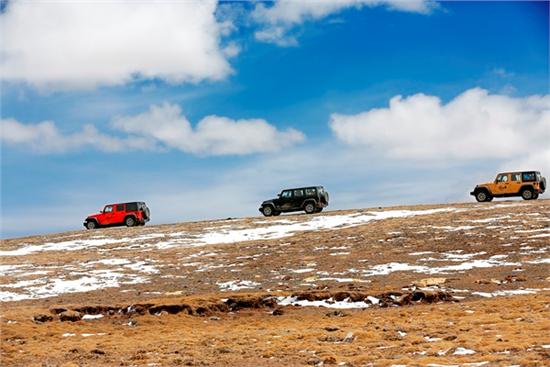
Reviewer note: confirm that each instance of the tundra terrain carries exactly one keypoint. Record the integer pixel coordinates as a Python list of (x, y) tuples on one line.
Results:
[(434, 285)]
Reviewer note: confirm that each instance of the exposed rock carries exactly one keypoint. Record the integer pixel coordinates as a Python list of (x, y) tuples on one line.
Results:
[(70, 316), (336, 313), (515, 278), (482, 281), (42, 318), (277, 312), (57, 310)]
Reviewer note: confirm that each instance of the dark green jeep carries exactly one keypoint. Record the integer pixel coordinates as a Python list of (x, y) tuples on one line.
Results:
[(309, 199)]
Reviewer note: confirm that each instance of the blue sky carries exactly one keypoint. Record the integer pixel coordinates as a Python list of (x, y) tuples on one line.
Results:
[(307, 104)]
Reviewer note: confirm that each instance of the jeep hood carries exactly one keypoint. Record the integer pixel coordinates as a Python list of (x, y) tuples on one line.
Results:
[(95, 215)]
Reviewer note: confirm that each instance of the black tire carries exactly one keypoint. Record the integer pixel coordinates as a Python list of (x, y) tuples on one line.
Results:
[(482, 196), (535, 196), (527, 194), (267, 211), (91, 224), (276, 213), (130, 221), (309, 208)]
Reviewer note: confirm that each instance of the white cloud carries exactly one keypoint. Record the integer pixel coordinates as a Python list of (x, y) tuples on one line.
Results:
[(161, 127), (475, 125), (80, 45), (45, 137), (277, 20), (213, 135)]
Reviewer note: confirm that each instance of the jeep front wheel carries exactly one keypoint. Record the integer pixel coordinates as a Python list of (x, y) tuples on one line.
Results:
[(527, 194), (482, 196), (309, 208), (267, 211), (91, 224), (130, 222)]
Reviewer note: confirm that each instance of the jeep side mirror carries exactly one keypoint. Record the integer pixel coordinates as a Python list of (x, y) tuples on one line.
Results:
[(278, 195)]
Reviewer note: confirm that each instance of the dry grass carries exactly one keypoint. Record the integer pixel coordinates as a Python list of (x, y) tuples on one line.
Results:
[(508, 330)]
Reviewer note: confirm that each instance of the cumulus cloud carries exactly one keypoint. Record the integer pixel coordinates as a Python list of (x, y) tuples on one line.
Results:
[(475, 125), (162, 127), (277, 20), (80, 45), (45, 137), (213, 135)]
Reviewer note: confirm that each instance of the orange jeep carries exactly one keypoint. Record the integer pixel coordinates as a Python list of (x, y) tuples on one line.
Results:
[(527, 184)]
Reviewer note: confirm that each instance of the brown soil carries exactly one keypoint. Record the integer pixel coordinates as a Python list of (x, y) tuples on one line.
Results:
[(488, 302)]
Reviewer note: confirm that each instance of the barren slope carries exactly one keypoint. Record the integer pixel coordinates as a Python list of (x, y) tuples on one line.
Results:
[(457, 284)]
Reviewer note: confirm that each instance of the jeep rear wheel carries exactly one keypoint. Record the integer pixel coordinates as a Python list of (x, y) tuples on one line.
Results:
[(482, 196), (91, 224), (309, 208), (130, 222), (267, 211), (527, 194)]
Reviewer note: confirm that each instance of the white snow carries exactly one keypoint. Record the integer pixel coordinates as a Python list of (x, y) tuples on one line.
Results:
[(299, 271), (92, 317), (284, 228), (79, 282), (63, 246), (328, 303), (460, 351), (540, 235), (509, 292), (235, 285), (373, 300)]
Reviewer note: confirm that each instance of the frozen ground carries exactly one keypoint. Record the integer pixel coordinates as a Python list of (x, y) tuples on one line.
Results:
[(478, 254)]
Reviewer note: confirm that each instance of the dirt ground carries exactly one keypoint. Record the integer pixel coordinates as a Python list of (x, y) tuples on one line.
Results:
[(439, 285)]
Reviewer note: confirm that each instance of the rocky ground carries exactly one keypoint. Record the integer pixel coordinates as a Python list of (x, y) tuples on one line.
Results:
[(442, 285)]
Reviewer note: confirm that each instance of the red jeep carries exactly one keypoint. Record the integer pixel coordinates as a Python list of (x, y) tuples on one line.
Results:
[(129, 214)]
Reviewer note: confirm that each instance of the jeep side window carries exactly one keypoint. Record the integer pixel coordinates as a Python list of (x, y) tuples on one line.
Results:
[(120, 208), (502, 178), (108, 209), (516, 177), (298, 193), (286, 194), (310, 192), (528, 176)]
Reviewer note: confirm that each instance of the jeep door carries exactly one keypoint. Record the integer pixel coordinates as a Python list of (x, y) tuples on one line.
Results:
[(108, 215), (119, 213), (285, 200), (515, 183), (501, 184), (297, 198)]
